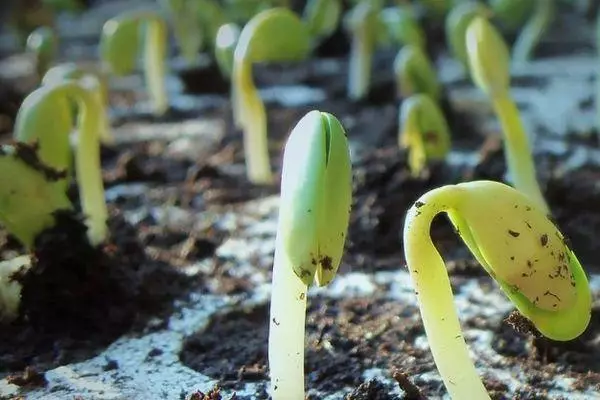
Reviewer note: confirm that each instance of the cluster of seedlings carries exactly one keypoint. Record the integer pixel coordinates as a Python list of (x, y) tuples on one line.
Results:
[(518, 245)]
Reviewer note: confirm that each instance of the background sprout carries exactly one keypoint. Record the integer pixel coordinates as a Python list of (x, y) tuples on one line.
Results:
[(512, 14), (30, 192), (316, 191), (457, 22), (489, 65), (423, 131), (362, 23), (225, 43), (119, 45), (273, 35), (186, 27), (322, 17), (45, 118), (95, 82), (402, 27), (42, 43), (518, 246), (540, 20), (415, 73)]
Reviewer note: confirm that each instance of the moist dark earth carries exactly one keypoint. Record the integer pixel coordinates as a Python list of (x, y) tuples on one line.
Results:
[(128, 285)]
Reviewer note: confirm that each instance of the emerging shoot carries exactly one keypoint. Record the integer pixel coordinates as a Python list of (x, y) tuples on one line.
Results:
[(274, 35), (45, 118), (362, 22), (423, 131), (415, 73), (322, 17), (42, 43), (316, 191), (457, 22), (489, 65), (518, 246), (119, 45), (225, 42)]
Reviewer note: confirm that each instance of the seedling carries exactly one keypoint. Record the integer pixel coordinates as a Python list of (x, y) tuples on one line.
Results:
[(362, 23), (423, 131), (322, 17), (512, 14), (119, 46), (45, 118), (457, 22), (274, 35), (402, 27), (42, 43), (415, 73), (540, 20), (489, 65), (316, 191), (225, 43), (95, 82), (518, 246)]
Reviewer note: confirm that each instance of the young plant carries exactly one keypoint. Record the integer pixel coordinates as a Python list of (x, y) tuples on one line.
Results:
[(95, 82), (456, 25), (489, 65), (402, 27), (423, 131), (512, 14), (316, 191), (415, 73), (42, 43), (530, 35), (322, 17), (225, 43), (518, 246), (274, 35), (119, 44), (45, 118), (362, 23)]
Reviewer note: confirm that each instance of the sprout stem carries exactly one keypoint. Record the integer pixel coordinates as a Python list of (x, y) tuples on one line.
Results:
[(154, 62), (434, 295), (518, 153), (286, 333), (361, 59), (250, 114), (529, 37)]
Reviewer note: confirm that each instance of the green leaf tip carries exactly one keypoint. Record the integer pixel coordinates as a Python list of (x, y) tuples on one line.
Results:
[(27, 204), (489, 59), (322, 17), (415, 73), (277, 34), (457, 22), (424, 131), (316, 197)]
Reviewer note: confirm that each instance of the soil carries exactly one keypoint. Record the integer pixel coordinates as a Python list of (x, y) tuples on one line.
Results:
[(79, 299)]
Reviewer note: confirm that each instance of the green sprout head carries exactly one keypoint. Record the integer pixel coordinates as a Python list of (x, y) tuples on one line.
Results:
[(402, 27), (43, 44), (225, 43), (119, 45), (45, 118), (423, 131), (457, 22), (274, 35), (94, 82), (322, 17), (30, 192), (490, 70), (362, 22), (415, 73), (518, 246), (316, 191)]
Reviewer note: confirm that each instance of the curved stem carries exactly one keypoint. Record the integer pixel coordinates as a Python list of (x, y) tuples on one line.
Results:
[(251, 115), (286, 329), (361, 54), (518, 153), (435, 298), (154, 63), (87, 162), (533, 31)]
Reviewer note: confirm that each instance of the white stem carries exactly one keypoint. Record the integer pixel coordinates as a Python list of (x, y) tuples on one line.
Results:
[(359, 74), (286, 333)]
